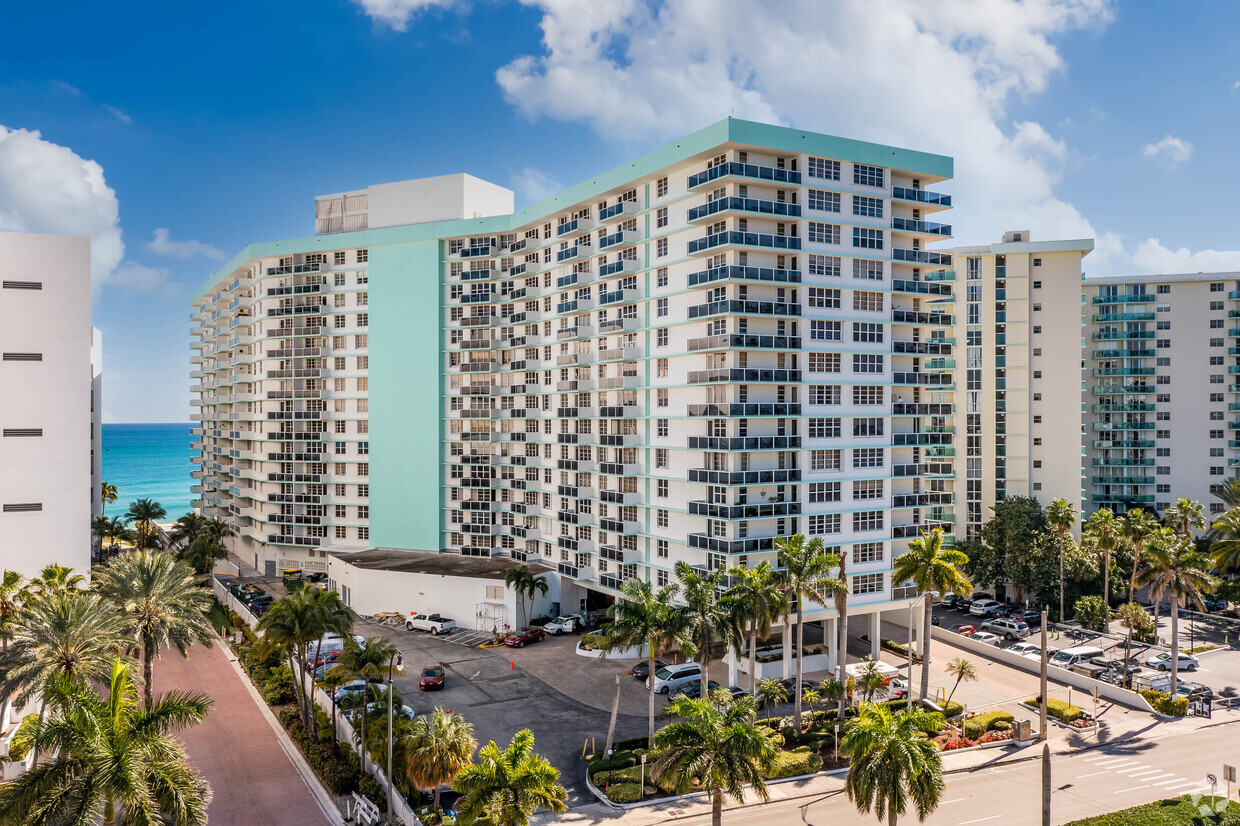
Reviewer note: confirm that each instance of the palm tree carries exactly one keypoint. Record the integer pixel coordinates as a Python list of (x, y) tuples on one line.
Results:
[(145, 514), (870, 681), (832, 691), (110, 755), (163, 603), (12, 595), (1177, 569), (200, 555), (931, 567), (186, 529), (757, 600), (717, 748), (437, 749), (1225, 547), (107, 493), (770, 692), (331, 616), (1228, 493), (525, 585), (367, 661), (1131, 616), (963, 671), (649, 618), (891, 762), (1138, 527), (115, 530), (709, 619), (1060, 517), (333, 679), (1102, 530), (54, 579), (1184, 517), (808, 566), (505, 787), (289, 625)]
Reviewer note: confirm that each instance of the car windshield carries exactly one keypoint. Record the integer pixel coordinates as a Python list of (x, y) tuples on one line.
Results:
[(1061, 657), (663, 673), (1020, 626), (432, 672)]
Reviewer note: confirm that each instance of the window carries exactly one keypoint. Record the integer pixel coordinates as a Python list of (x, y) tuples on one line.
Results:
[(363, 256), (824, 233), (867, 301), (867, 552), (661, 337), (824, 297), (1037, 328), (867, 332), (660, 247), (660, 187), (822, 460), (661, 396), (870, 239), (338, 258), (1216, 287), (867, 584), (868, 489), (867, 363), (661, 307), (821, 492), (1037, 262), (866, 428), (824, 523), (864, 175), (820, 330), (660, 457), (867, 270), (1216, 342), (661, 488), (824, 394), (661, 277), (660, 217), (824, 428), (824, 169), (824, 362), (824, 201), (867, 207), (662, 428), (1215, 324), (868, 521), (827, 265), (661, 547), (868, 457), (865, 394), (1164, 289)]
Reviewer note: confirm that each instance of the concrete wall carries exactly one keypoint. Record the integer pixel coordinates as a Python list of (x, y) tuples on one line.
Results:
[(441, 198), (1107, 691)]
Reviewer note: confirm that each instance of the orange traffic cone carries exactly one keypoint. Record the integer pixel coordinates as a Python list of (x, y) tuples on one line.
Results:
[(512, 665)]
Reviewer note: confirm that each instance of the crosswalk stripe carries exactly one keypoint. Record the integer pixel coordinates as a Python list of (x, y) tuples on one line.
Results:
[(1140, 769), (1119, 763), (1157, 774), (1177, 781)]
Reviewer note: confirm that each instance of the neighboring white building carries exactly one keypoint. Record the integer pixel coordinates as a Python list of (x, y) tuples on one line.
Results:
[(49, 403)]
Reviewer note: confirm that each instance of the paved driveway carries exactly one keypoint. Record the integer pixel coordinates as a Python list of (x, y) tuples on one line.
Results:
[(236, 748)]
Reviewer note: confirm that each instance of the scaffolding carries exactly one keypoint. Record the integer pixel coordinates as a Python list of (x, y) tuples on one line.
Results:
[(490, 617)]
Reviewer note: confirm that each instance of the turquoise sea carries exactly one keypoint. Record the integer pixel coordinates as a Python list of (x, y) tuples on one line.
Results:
[(149, 460)]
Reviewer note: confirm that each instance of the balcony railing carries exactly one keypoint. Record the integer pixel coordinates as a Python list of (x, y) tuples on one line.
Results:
[(748, 239), (926, 227), (744, 375), (739, 307), (922, 257), (755, 205), (745, 170), (739, 340), (921, 196), (774, 276)]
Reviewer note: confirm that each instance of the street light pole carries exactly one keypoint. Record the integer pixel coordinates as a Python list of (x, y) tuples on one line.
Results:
[(397, 660), (1042, 734)]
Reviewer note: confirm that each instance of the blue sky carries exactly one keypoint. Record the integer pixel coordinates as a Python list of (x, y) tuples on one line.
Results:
[(184, 131)]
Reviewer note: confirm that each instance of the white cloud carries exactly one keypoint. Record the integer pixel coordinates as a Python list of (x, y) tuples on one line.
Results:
[(534, 184), (658, 70), (139, 278), (1169, 151), (45, 187), (1151, 256), (397, 13), (1235, 87), (163, 244), (118, 114)]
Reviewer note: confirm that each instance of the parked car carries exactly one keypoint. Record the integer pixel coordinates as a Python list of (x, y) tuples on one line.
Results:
[(669, 678), (642, 670), (526, 636), (432, 678), (736, 691), (560, 625), (352, 688), (331, 643), (692, 690), (435, 623), (401, 712), (1162, 662), (1009, 629), (984, 607), (897, 688), (963, 630), (1027, 650), (986, 638), (1214, 603), (963, 603), (790, 685), (1194, 691), (327, 660), (949, 600), (1068, 657), (1031, 618)]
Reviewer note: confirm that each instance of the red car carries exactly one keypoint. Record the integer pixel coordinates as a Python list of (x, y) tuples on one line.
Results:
[(432, 678), (525, 635), (963, 630)]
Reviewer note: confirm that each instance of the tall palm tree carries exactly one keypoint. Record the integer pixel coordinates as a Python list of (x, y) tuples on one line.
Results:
[(331, 617), (145, 514), (931, 567), (1225, 547), (201, 554), (1137, 529), (963, 671), (649, 618), (505, 787), (437, 749), (525, 585), (709, 618), (891, 763), (219, 529), (1060, 517), (808, 566), (770, 692), (54, 579), (333, 679), (1102, 531), (186, 529), (107, 493), (12, 595), (1130, 616), (1175, 568), (758, 600), (289, 625), (163, 604), (1228, 493), (367, 661), (717, 748), (112, 759), (1184, 517)]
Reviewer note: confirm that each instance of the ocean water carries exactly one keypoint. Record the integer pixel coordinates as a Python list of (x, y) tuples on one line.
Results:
[(149, 460)]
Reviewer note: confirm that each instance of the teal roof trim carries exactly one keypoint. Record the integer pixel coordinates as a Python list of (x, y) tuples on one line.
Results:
[(729, 130), (1082, 245)]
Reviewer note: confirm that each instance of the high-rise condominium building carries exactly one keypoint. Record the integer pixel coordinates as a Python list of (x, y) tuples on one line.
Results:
[(50, 403), (736, 337)]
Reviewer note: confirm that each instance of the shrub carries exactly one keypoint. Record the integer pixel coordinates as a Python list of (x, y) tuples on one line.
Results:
[(816, 746), (958, 743), (982, 723), (541, 621), (591, 641), (1059, 709), (618, 760), (1163, 704), (995, 736), (278, 687), (630, 745), (371, 788), (633, 774), (795, 763), (1092, 613), (624, 793), (952, 709), (1001, 725)]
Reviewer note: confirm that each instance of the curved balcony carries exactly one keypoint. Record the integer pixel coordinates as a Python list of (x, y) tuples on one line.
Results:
[(749, 205)]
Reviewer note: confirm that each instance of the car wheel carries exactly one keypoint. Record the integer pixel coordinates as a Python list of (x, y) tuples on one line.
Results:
[(434, 632), (520, 645), (664, 690), (1192, 668), (409, 626)]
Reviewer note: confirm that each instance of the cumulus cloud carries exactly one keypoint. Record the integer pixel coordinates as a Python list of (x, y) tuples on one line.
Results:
[(163, 244), (139, 278), (657, 70), (397, 13), (534, 184), (45, 187), (1169, 151)]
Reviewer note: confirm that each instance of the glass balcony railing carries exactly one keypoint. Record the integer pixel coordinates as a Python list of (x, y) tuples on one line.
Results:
[(746, 170), (921, 196), (922, 256), (927, 227), (774, 276), (754, 205), (1103, 318), (747, 239), (744, 308)]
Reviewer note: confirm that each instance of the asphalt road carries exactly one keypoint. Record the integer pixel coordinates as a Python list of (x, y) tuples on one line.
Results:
[(1095, 782)]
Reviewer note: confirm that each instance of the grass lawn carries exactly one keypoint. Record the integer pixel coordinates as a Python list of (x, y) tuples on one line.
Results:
[(1176, 811)]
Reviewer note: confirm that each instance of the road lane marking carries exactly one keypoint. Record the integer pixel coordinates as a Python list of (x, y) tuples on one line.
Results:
[(979, 820), (1147, 774), (1091, 774), (1120, 764), (1178, 781), (1133, 789), (957, 800), (1140, 768), (1099, 757)]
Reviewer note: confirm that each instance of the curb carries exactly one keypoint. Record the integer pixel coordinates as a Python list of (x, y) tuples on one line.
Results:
[(325, 802)]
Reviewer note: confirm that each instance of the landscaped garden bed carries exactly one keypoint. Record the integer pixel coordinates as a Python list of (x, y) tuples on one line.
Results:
[(1176, 811), (1062, 713)]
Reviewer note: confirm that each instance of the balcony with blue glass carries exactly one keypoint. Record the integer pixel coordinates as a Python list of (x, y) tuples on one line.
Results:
[(1127, 335), (733, 272), (921, 227), (745, 341), (577, 226), (1121, 389), (1126, 354), (624, 236), (758, 510), (1115, 318), (744, 375), (618, 211), (1122, 480), (1124, 425), (1123, 371), (1125, 298), (755, 206), (902, 285), (739, 307), (918, 317), (623, 266), (922, 257), (744, 239), (921, 196), (744, 170)]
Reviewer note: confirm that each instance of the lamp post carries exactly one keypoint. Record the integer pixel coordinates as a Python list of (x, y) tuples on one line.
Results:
[(396, 661), (909, 688)]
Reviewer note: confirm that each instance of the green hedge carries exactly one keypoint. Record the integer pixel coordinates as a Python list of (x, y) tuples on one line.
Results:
[(1060, 710), (982, 723), (1163, 704), (624, 793), (952, 709), (1177, 811), (795, 763), (593, 641), (278, 687), (340, 775), (630, 744), (633, 774), (618, 760)]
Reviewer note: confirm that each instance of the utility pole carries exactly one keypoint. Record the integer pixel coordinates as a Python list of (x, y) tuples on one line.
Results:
[(1046, 784), (1042, 705)]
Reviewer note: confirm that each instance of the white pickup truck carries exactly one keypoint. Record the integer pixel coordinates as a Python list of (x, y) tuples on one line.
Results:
[(429, 622)]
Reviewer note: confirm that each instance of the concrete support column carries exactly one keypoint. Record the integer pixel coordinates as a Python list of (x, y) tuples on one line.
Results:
[(831, 632), (786, 638), (875, 630), (731, 659)]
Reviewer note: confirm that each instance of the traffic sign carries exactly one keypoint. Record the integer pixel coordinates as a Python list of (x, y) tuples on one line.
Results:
[(1229, 772), (1212, 780), (1095, 693)]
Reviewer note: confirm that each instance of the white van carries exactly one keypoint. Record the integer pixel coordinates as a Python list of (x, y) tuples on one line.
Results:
[(671, 677), (1068, 657), (330, 643)]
